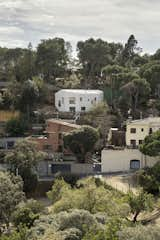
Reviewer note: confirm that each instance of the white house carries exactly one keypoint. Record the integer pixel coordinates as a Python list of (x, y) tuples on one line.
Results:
[(137, 130), (77, 100), (125, 160)]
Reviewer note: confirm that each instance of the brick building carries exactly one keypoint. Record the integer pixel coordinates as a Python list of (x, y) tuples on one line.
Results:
[(52, 141)]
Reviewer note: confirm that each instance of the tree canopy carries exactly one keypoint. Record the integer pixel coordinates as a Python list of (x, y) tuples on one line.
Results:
[(81, 141)]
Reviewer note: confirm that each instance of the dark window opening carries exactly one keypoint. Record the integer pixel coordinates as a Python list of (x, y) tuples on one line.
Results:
[(60, 136), (72, 109), (83, 108), (59, 103), (133, 143), (10, 144), (150, 131), (135, 164), (64, 168), (60, 148), (133, 130)]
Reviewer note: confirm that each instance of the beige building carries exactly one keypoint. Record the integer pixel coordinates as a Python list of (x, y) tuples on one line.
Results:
[(125, 160), (137, 130)]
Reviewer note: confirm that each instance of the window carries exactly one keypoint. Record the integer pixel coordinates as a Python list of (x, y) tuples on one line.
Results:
[(59, 103), (150, 131), (10, 144), (142, 129), (60, 148), (133, 130), (72, 109), (135, 164), (60, 136), (140, 142), (133, 143), (47, 147), (64, 168), (72, 100), (83, 108), (81, 99), (95, 99)]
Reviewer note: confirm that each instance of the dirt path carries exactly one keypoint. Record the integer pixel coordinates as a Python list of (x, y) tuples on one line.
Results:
[(122, 183)]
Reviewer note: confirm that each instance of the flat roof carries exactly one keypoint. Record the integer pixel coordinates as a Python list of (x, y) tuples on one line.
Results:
[(81, 91), (148, 120), (61, 122)]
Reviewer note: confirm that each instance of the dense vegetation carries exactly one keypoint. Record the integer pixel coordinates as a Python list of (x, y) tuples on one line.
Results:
[(122, 72), (89, 210)]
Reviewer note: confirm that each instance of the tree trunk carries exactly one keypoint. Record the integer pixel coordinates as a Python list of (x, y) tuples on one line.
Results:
[(135, 216)]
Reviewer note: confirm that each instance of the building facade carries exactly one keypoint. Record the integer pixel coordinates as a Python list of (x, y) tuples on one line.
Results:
[(77, 100), (52, 141), (125, 160), (137, 130)]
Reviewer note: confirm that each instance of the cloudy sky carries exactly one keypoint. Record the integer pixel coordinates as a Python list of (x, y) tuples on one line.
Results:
[(23, 21)]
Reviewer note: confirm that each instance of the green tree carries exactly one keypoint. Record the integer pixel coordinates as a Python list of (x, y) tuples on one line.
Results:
[(81, 141), (16, 127), (52, 57), (139, 202), (151, 72), (151, 145), (129, 50), (137, 91), (11, 195), (28, 97), (26, 213), (94, 55), (58, 188), (23, 160)]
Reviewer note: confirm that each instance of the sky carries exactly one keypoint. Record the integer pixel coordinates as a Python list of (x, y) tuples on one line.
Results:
[(24, 21)]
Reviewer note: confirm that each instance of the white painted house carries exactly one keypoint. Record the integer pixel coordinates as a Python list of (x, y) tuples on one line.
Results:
[(125, 160), (77, 100), (137, 130)]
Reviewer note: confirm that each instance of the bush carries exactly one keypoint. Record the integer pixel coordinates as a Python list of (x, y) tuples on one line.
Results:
[(16, 127), (149, 179), (26, 213)]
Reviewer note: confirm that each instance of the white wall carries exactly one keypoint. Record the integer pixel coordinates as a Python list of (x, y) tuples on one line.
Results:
[(139, 135), (119, 160), (82, 99)]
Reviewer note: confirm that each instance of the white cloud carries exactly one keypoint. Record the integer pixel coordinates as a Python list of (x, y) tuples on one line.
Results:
[(113, 20)]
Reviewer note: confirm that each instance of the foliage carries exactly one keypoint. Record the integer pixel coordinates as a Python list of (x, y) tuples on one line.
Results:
[(149, 179), (109, 232), (129, 50), (140, 233), (16, 127), (26, 213), (24, 155), (81, 141), (71, 225), (139, 202), (52, 57), (91, 195), (151, 145), (11, 195), (21, 234), (23, 159), (94, 55), (58, 188)]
